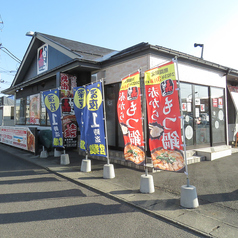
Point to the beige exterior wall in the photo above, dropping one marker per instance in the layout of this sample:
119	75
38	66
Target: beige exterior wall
117	72
187	72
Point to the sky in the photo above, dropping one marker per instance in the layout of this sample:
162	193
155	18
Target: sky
120	24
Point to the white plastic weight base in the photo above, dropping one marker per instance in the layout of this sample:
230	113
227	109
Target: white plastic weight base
108	171
189	197
57	153
64	159
43	154
147	184
86	165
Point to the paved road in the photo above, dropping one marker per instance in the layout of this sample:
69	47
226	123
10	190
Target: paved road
37	203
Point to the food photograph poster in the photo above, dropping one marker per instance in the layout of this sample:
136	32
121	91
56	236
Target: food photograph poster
130	118
163	112
20	137
35	109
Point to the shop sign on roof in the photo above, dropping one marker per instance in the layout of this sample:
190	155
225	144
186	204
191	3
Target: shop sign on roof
42	59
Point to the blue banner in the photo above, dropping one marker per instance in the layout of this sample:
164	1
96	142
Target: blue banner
89	114
95	126
80	111
51	99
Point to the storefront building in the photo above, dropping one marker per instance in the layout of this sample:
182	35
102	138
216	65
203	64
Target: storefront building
51	62
6	111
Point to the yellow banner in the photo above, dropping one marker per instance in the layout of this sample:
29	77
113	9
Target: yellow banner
160	74
131	81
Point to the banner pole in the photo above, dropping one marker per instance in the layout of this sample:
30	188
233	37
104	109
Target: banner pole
105	124
182	119
143	103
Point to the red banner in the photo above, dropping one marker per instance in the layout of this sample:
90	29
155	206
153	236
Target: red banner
130	119
163	113
68	82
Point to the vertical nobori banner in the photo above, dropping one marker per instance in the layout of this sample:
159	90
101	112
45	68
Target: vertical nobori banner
52	103
95	131
130	119
69	124
80	100
163	114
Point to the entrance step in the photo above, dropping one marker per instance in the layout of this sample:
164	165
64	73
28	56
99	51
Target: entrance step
195	159
216	152
193	156
190	153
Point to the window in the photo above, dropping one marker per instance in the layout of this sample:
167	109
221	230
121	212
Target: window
12	113
218	115
43	111
115	137
20	111
187	109
28	110
31	110
202	115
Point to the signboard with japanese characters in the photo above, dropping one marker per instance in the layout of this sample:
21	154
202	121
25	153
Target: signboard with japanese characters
130	119
52	103
68	82
80	96
163	113
20	137
214	102
42	59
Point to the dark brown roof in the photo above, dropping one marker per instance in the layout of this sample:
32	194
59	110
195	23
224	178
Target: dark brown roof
85	51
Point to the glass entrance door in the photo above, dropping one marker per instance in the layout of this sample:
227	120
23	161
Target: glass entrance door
195	107
187	109
201	116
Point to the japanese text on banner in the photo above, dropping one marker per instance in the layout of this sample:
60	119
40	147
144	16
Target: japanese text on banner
130	118
89	113
163	114
70	127
53	109
95	130
80	109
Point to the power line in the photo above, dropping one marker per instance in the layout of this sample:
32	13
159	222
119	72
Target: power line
5	50
8	71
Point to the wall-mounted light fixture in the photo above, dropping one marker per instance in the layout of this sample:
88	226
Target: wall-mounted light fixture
21	89
17	91
30	33
200	45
